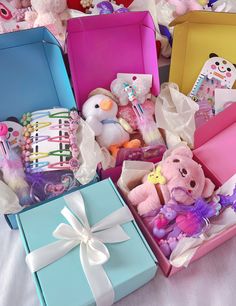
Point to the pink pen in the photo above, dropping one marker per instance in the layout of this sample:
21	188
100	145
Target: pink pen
4	145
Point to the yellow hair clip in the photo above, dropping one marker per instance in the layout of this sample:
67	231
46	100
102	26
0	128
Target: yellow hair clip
38	155
156	177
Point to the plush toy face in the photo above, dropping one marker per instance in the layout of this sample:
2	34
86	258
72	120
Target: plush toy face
185	178
100	107
53	6
14	135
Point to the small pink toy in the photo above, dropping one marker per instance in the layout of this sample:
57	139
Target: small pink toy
178	176
21	7
12	169
184	6
177	220
49	13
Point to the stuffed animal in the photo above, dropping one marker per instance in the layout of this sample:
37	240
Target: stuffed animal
49	13
100	112
21	7
184	6
177	179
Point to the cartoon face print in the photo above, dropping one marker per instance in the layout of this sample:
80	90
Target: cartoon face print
14	135
220	69
5	13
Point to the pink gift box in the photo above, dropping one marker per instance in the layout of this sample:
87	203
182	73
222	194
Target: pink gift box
99	47
215	150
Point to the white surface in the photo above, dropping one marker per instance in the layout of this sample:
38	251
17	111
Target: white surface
208	282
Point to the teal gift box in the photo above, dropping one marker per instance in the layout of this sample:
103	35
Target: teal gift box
33	77
63	282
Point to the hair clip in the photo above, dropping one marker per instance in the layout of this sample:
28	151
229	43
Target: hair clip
65	153
40	114
39	125
61	126
60	115
35	166
60	138
60	165
38	155
39	138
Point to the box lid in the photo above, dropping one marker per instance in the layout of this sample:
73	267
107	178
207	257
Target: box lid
196	35
99	47
215	147
33	75
130	266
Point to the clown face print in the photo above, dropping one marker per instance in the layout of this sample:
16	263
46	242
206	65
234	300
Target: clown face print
14	135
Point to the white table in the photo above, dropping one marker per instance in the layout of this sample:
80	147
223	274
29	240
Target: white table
208	282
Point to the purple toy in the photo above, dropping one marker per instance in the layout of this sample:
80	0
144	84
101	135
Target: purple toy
49	184
175	221
229	200
106	7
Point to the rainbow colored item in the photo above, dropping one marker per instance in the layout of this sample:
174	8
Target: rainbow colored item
12	168
217	72
147	126
51	140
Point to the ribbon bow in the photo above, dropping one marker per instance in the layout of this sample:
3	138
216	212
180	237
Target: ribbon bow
156	177
93	252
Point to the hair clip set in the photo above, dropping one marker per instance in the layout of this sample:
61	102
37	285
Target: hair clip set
31	159
217	72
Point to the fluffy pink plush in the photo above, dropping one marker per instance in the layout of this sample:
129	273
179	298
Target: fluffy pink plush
183	6
184	182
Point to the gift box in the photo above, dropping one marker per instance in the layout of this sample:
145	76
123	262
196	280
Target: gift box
67	277
215	150
196	35
33	76
95	45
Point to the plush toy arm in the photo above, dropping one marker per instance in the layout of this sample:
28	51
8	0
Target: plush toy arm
145	197
95	125
30	16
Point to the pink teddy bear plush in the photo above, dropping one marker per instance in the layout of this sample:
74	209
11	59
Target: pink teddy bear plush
177	179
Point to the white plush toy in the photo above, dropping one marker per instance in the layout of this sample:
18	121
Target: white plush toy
100	112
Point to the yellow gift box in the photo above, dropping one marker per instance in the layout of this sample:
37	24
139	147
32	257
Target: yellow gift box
196	35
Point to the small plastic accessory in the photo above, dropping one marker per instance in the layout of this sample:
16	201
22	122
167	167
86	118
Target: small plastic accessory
147	125
106	7
217	72
12	169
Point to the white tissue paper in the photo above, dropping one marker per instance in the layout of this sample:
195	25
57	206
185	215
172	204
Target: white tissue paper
227	6
9	202
90	154
175	113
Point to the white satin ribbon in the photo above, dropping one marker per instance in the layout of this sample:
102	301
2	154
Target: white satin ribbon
93	252
187	247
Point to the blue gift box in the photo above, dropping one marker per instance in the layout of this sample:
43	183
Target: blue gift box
131	263
32	76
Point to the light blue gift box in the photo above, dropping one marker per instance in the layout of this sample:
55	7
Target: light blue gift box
32	76
131	263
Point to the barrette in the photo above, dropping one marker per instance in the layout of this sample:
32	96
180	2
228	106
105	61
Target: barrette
36	166
60	138
61	126
60	115
38	155
60	165
39	114
63	153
